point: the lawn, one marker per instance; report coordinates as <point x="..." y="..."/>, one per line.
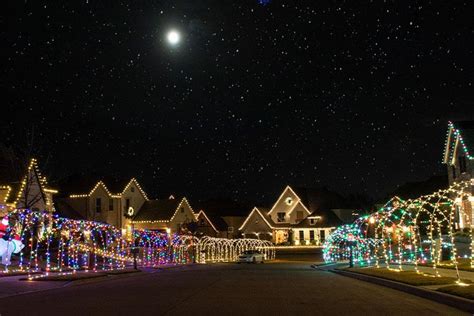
<point x="408" y="277"/>
<point x="463" y="291"/>
<point x="463" y="264"/>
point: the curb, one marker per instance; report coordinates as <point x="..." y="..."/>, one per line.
<point x="461" y="303"/>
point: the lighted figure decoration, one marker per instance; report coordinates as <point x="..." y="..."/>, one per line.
<point x="420" y="232"/>
<point x="9" y="241"/>
<point x="7" y="248"/>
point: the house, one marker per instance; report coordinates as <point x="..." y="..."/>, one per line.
<point x="299" y="216"/>
<point x="171" y="215"/>
<point x="459" y="159"/>
<point x="29" y="191"/>
<point x="220" y="217"/>
<point x="111" y="201"/>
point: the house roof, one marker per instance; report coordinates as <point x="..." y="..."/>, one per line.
<point x="217" y="221"/>
<point x="263" y="212"/>
<point x="464" y="130"/>
<point x="63" y="209"/>
<point x="320" y="199"/>
<point x="13" y="173"/>
<point x="83" y="184"/>
<point x="157" y="210"/>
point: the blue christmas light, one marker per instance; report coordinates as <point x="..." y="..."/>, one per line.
<point x="264" y="2"/>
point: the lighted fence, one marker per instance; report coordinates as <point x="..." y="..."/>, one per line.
<point x="212" y="249"/>
<point x="419" y="231"/>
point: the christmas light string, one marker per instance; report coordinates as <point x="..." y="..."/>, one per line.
<point x="415" y="231"/>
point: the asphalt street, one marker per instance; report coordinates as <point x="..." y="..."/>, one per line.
<point x="281" y="288"/>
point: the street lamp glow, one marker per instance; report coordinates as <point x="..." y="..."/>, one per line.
<point x="173" y="37"/>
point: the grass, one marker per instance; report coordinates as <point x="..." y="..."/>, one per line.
<point x="463" y="264"/>
<point x="408" y="277"/>
<point x="463" y="291"/>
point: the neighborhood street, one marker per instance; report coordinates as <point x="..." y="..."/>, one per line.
<point x="283" y="287"/>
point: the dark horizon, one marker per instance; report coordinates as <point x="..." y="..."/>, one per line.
<point x="352" y="96"/>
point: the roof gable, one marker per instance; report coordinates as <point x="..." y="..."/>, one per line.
<point x="201" y="214"/>
<point x="257" y="213"/>
<point x="26" y="196"/>
<point x="159" y="210"/>
<point x="460" y="136"/>
<point x="134" y="181"/>
<point x="288" y="192"/>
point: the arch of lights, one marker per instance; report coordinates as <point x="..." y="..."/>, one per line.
<point x="59" y="244"/>
<point x="211" y="249"/>
<point x="53" y="243"/>
<point x="416" y="231"/>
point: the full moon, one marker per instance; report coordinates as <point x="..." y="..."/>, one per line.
<point x="173" y="37"/>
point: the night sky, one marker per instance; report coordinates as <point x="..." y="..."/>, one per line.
<point x="353" y="95"/>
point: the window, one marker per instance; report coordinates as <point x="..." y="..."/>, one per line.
<point x="301" y="234"/>
<point x="127" y="204"/>
<point x="111" y="204"/>
<point x="322" y="235"/>
<point x="182" y="210"/>
<point x="202" y="222"/>
<point x="98" y="205"/>
<point x="311" y="221"/>
<point x="230" y="229"/>
<point x="280" y="217"/>
<point x="462" y="164"/>
<point x="132" y="189"/>
<point x="311" y="235"/>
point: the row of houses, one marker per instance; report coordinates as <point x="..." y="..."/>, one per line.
<point x="299" y="216"/>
